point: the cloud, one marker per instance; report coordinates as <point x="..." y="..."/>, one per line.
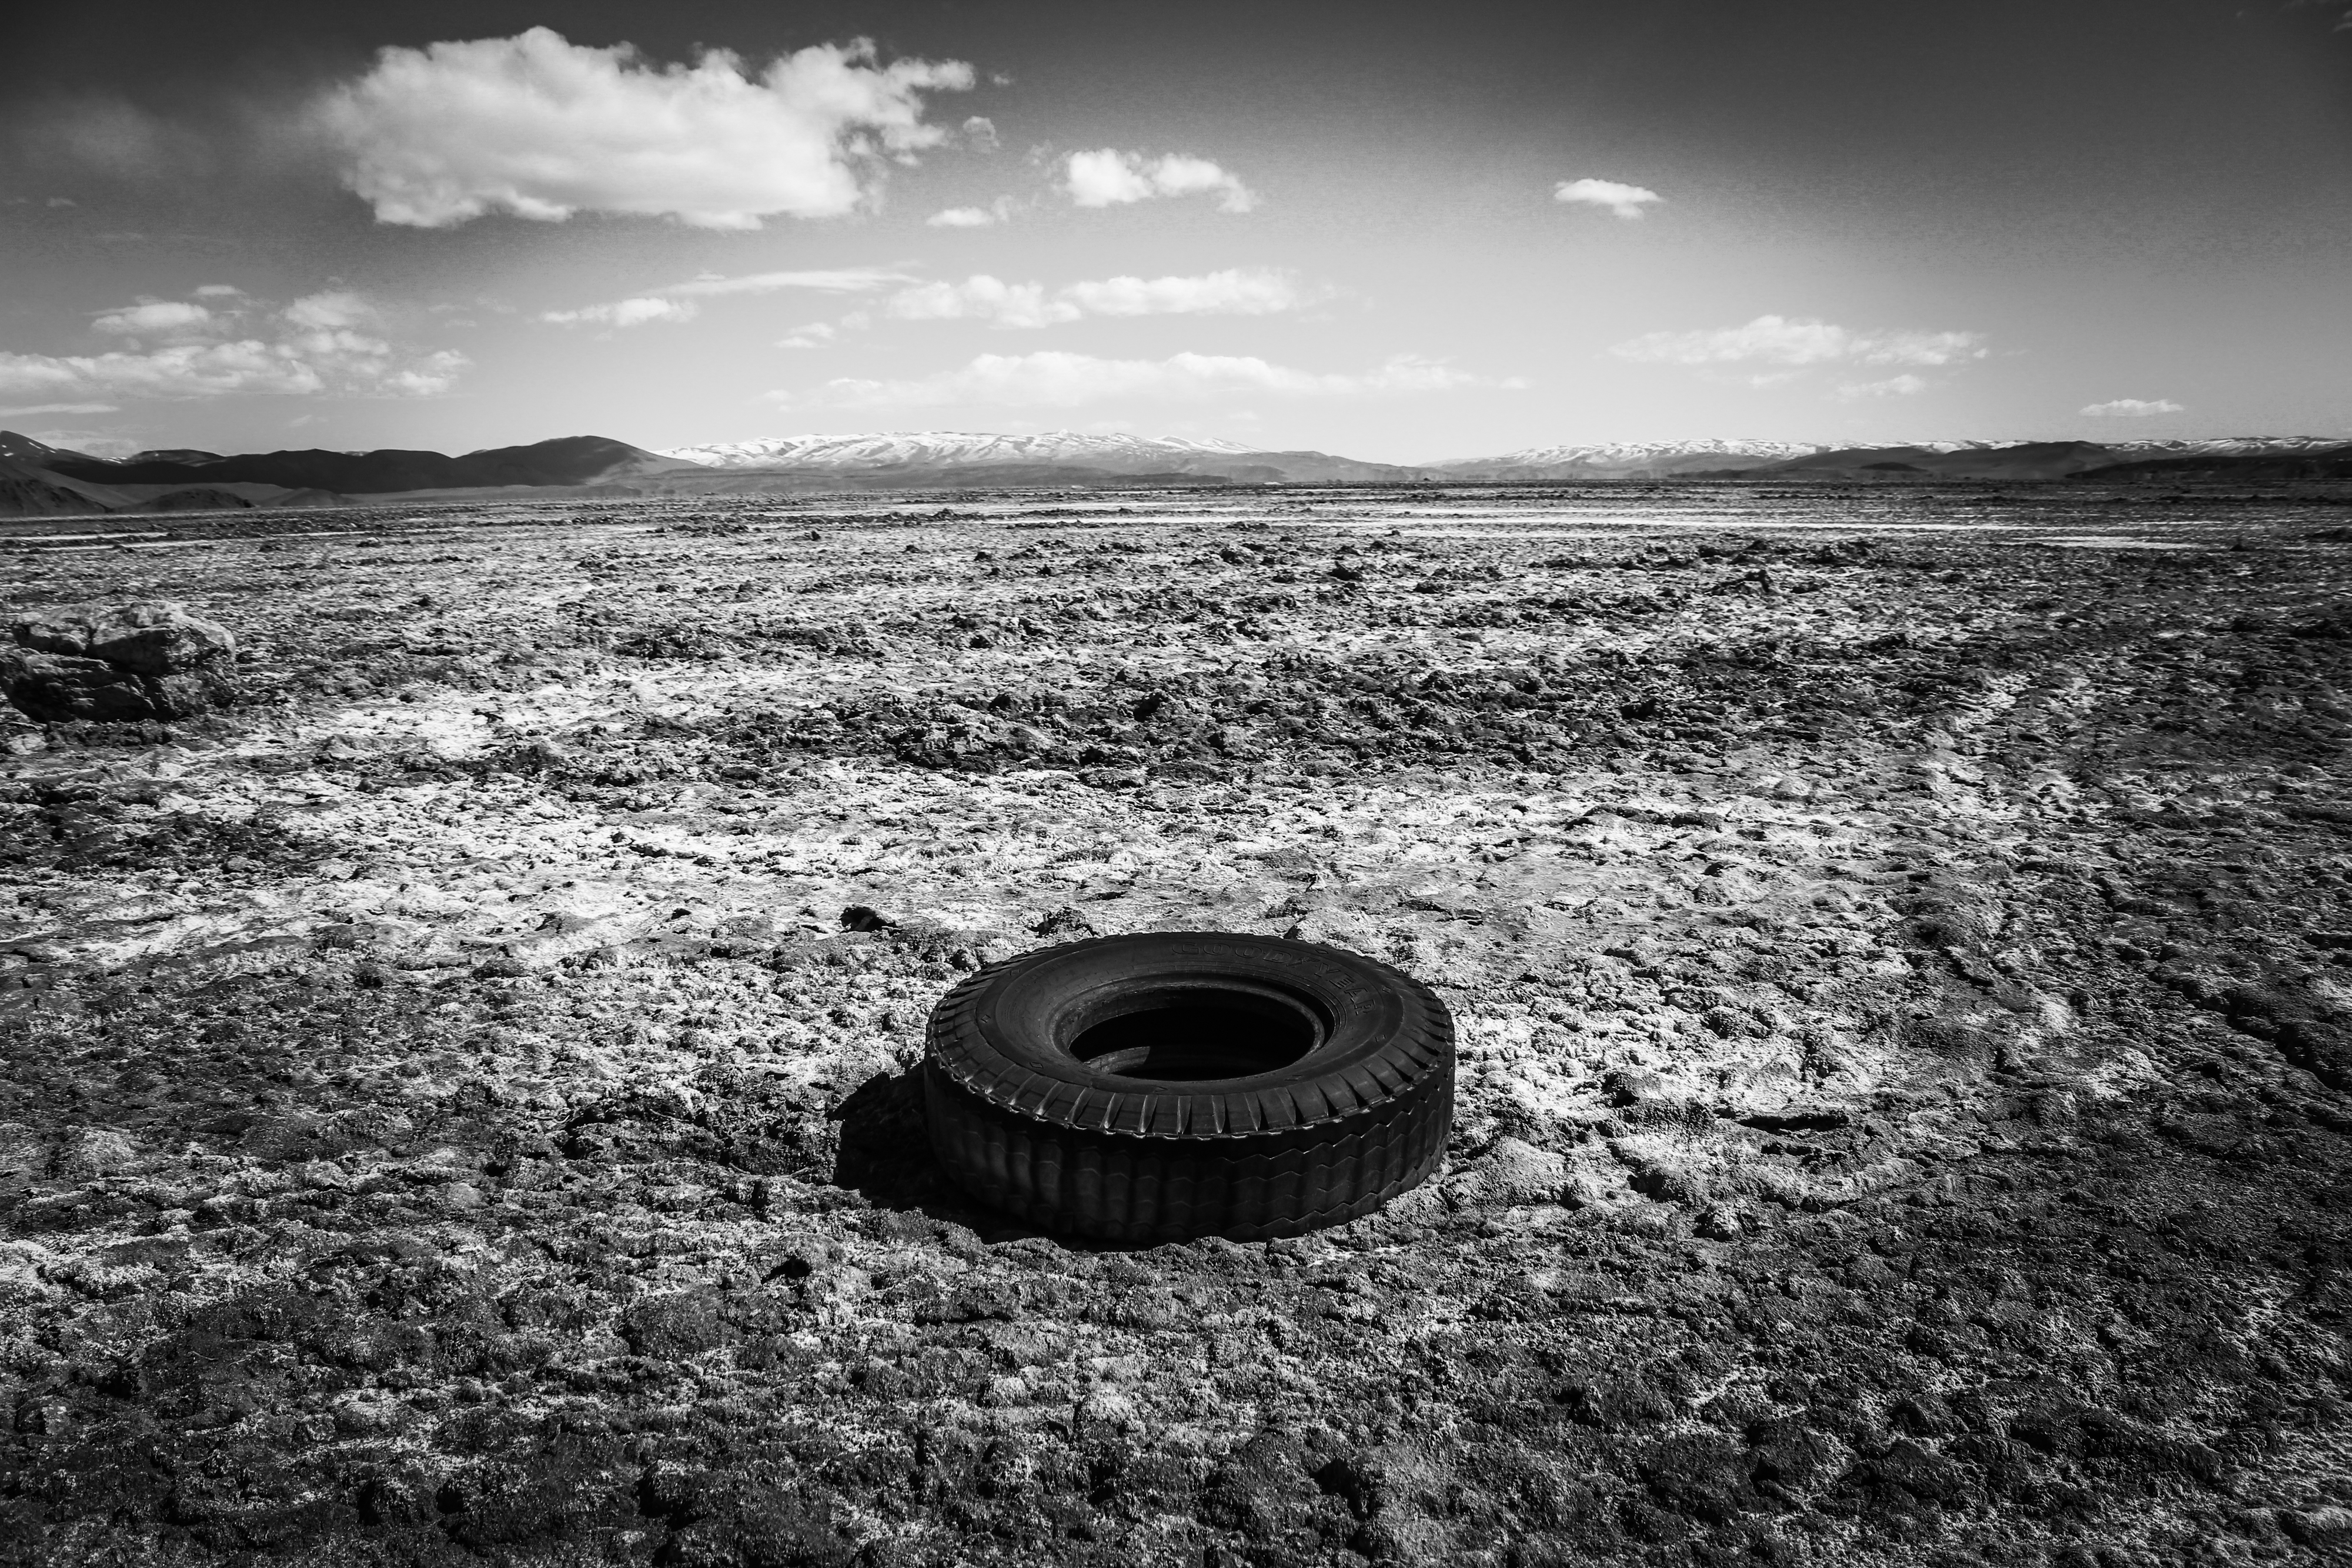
<point x="1904" y="385"/>
<point x="1109" y="178"/>
<point x="628" y="312"/>
<point x="999" y="210"/>
<point x="58" y="408"/>
<point x="677" y="301"/>
<point x="1236" y="291"/>
<point x="322" y="343"/>
<point x="543" y="128"/>
<point x="1785" y="340"/>
<point x="333" y="311"/>
<point x="1625" y="201"/>
<point x="838" y="280"/>
<point x="815" y="334"/>
<point x="2132" y="407"/>
<point x="155" y="318"/>
<point x="988" y="298"/>
<point x="217" y="290"/>
<point x="1063" y="381"/>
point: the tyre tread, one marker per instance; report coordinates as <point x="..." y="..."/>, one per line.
<point x="1147" y="1165"/>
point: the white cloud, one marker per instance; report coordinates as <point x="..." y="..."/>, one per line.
<point x="987" y="298"/>
<point x="1062" y="379"/>
<point x="1625" y="201"/>
<point x="1904" y="385"/>
<point x="1108" y="178"/>
<point x="1235" y="291"/>
<point x="322" y="343"/>
<point x="628" y="312"/>
<point x="815" y="334"/>
<point x="838" y="280"/>
<point x="542" y="128"/>
<point x="333" y="311"/>
<point x="58" y="408"/>
<point x="217" y="290"/>
<point x="2133" y="408"/>
<point x="154" y="318"/>
<point x="999" y="210"/>
<point x="677" y="301"/>
<point x="1785" y="340"/>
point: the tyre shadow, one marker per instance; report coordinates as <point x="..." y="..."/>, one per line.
<point x="884" y="1153"/>
<point x="885" y="1156"/>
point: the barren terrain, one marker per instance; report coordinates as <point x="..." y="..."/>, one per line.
<point x="456" y="1101"/>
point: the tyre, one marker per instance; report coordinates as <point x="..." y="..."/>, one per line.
<point x="1180" y="1084"/>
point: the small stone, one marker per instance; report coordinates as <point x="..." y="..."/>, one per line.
<point x="460" y="1195"/>
<point x="1065" y="922"/>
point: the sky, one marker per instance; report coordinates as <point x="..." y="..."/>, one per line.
<point x="1403" y="233"/>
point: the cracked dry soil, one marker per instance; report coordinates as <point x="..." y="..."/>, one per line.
<point x="457" y="1102"/>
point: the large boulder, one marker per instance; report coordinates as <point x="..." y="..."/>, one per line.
<point x="149" y="659"/>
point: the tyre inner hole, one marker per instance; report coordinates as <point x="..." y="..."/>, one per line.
<point x="1193" y="1033"/>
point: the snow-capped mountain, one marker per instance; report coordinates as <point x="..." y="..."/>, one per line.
<point x="957" y="448"/>
<point x="2228" y="446"/>
<point x="1619" y="459"/>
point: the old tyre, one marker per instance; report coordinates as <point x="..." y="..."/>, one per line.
<point x="1179" y="1084"/>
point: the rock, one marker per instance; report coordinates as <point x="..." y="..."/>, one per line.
<point x="2328" y="1525"/>
<point x="1628" y="1086"/>
<point x="1067" y="923"/>
<point x="1725" y="1222"/>
<point x="147" y="637"/>
<point x="146" y="660"/>
<point x="53" y="689"/>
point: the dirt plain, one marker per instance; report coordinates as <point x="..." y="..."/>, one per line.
<point x="456" y="1103"/>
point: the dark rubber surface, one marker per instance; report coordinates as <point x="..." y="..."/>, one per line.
<point x="1023" y="1124"/>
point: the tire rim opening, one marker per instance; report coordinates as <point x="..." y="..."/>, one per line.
<point x="1195" y="1034"/>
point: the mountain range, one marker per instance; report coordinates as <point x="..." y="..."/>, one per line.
<point x="36" y="479"/>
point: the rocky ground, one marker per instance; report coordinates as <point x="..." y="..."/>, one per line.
<point x="457" y="1107"/>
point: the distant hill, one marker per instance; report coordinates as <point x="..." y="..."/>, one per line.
<point x="2313" y="461"/>
<point x="2026" y="461"/>
<point x="569" y="460"/>
<point x="28" y="491"/>
<point x="33" y="453"/>
<point x="1618" y="460"/>
<point x="2022" y="461"/>
<point x="33" y="485"/>
<point x="39" y="479"/>
<point x="2017" y="462"/>
<point x="958" y="448"/>
<point x="925" y="456"/>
